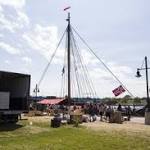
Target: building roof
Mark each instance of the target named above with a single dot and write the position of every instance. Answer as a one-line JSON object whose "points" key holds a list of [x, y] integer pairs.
{"points": [[50, 101]]}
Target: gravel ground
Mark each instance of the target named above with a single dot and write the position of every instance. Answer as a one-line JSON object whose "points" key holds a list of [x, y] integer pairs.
{"points": [[139, 120], [134, 127]]}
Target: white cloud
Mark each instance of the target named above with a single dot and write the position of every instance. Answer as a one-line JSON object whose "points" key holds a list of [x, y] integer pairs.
{"points": [[6, 24], [117, 67], [27, 60], [7, 62], [1, 9], [121, 71], [27, 65], [43, 39], [8, 48], [98, 73], [1, 35], [23, 18], [88, 58], [14, 3], [15, 21]]}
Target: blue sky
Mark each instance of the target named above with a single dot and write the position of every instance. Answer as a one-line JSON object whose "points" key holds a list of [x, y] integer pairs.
{"points": [[118, 31]]}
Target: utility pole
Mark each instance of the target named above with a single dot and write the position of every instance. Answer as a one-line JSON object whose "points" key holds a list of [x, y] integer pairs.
{"points": [[69, 59], [147, 85], [36, 91], [147, 108]]}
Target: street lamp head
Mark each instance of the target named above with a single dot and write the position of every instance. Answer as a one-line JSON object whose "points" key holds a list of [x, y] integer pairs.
{"points": [[138, 75], [36, 90]]}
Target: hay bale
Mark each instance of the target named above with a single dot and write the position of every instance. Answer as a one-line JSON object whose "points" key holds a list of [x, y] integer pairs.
{"points": [[76, 116], [116, 117]]}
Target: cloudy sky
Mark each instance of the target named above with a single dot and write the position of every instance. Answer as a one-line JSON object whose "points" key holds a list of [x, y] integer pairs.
{"points": [[118, 32]]}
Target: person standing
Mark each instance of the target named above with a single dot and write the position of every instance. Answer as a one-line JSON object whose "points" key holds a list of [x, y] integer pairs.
{"points": [[129, 113], [101, 111]]}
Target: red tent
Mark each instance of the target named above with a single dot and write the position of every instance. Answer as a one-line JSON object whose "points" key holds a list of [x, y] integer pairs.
{"points": [[50, 101]]}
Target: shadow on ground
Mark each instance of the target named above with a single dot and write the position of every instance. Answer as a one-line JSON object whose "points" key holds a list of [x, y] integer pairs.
{"points": [[9, 127]]}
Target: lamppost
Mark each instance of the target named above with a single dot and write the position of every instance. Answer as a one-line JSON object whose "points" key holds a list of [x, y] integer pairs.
{"points": [[147, 110], [36, 91]]}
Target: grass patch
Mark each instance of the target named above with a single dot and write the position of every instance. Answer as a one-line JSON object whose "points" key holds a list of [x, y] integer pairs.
{"points": [[42, 137]]}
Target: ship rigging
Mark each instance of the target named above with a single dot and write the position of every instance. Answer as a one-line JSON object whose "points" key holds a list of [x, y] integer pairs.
{"points": [[76, 81]]}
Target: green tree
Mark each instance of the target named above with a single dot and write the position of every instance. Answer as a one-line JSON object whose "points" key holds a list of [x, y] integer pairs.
{"points": [[137, 100]]}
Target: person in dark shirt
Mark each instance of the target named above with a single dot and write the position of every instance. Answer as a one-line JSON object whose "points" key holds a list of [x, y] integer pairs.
{"points": [[119, 107], [128, 112]]}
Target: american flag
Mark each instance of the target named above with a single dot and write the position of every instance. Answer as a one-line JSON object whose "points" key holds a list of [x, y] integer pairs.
{"points": [[118, 90]]}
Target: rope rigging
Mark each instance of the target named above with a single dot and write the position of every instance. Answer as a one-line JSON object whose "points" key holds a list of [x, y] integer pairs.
{"points": [[64, 76], [88, 82], [81, 82], [90, 50], [62, 93], [47, 66]]}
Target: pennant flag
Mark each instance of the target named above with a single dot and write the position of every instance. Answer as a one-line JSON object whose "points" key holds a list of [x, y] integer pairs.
{"points": [[118, 90], [63, 70], [67, 8]]}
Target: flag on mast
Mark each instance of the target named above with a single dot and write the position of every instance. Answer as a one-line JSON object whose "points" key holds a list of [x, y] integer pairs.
{"points": [[63, 71], [66, 8], [119, 90]]}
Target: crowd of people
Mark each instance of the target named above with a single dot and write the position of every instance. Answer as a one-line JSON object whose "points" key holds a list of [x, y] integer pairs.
{"points": [[93, 111], [104, 111]]}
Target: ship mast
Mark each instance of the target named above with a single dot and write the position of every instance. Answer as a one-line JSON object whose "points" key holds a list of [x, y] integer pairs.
{"points": [[69, 59]]}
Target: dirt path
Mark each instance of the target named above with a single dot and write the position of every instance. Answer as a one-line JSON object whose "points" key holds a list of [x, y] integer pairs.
{"points": [[39, 119], [135, 126]]}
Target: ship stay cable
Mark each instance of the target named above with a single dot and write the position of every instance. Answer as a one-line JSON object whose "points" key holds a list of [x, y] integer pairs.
{"points": [[81, 84], [83, 78], [76, 59], [64, 71], [88, 82], [47, 66], [62, 90], [76, 75], [90, 50]]}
